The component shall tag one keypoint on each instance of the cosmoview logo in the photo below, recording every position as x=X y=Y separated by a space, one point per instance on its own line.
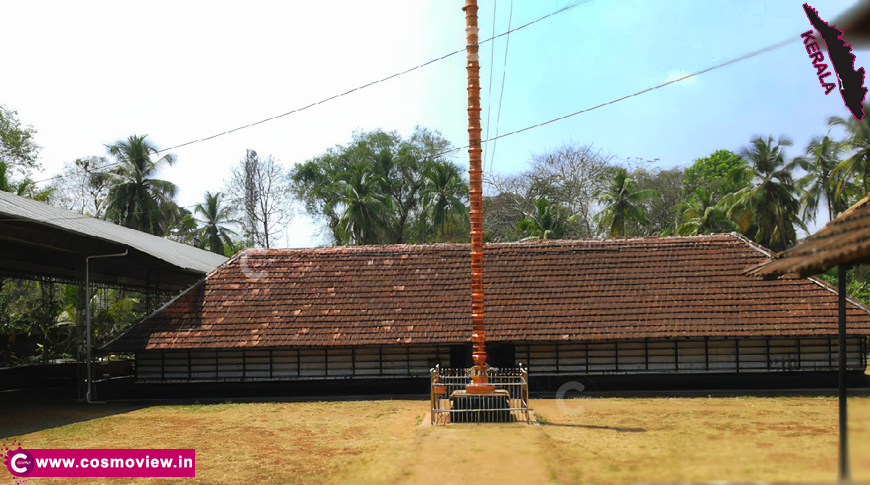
x=19 y=462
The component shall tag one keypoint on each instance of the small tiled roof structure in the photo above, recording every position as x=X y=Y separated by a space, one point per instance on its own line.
x=577 y=290
x=845 y=240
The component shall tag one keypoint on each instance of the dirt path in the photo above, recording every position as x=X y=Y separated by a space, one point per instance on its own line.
x=460 y=453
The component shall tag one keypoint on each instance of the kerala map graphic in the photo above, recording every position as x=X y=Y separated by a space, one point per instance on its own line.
x=851 y=81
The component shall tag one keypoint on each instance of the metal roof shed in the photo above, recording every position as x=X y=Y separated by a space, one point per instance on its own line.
x=42 y=240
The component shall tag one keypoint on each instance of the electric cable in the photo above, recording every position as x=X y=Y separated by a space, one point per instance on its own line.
x=500 y=96
x=717 y=66
x=576 y=4
x=581 y=2
x=491 y=64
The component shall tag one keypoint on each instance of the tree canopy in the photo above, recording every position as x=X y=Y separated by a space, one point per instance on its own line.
x=18 y=149
x=769 y=203
x=722 y=172
x=381 y=188
x=621 y=198
x=136 y=199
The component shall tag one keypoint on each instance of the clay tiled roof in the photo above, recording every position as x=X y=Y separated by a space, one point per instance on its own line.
x=540 y=291
x=844 y=240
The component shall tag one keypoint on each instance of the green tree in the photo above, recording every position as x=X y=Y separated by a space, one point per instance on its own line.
x=136 y=199
x=216 y=217
x=721 y=173
x=398 y=165
x=5 y=185
x=770 y=202
x=18 y=150
x=361 y=220
x=622 y=203
x=663 y=210
x=402 y=166
x=819 y=183
x=24 y=187
x=444 y=196
x=113 y=312
x=315 y=184
x=700 y=216
x=182 y=226
x=544 y=223
x=857 y=166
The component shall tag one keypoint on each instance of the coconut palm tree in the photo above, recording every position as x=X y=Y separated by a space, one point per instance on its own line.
x=857 y=166
x=182 y=226
x=771 y=199
x=362 y=204
x=444 y=195
x=701 y=216
x=215 y=218
x=621 y=196
x=823 y=156
x=545 y=222
x=136 y=199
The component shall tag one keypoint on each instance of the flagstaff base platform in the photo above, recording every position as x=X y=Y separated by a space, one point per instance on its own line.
x=452 y=403
x=491 y=407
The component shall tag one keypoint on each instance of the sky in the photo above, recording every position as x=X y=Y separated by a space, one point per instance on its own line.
x=86 y=74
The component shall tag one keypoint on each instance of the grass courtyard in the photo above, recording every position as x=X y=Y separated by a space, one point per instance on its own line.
x=603 y=441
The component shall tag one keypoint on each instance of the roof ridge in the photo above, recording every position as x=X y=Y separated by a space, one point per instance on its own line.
x=463 y=246
x=824 y=284
x=758 y=247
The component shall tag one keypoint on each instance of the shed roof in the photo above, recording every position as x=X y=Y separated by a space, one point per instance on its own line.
x=845 y=240
x=46 y=240
x=540 y=291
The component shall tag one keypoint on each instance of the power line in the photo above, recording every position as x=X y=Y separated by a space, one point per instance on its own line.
x=96 y=172
x=581 y=2
x=100 y=171
x=717 y=66
x=491 y=64
x=500 y=96
x=732 y=61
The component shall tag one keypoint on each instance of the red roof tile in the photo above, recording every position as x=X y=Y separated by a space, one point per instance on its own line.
x=539 y=291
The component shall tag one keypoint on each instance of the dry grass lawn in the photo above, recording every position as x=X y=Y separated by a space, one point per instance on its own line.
x=611 y=441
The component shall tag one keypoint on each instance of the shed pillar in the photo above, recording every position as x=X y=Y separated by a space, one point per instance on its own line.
x=844 y=472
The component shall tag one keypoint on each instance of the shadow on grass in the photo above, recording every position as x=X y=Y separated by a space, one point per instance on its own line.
x=589 y=426
x=27 y=411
